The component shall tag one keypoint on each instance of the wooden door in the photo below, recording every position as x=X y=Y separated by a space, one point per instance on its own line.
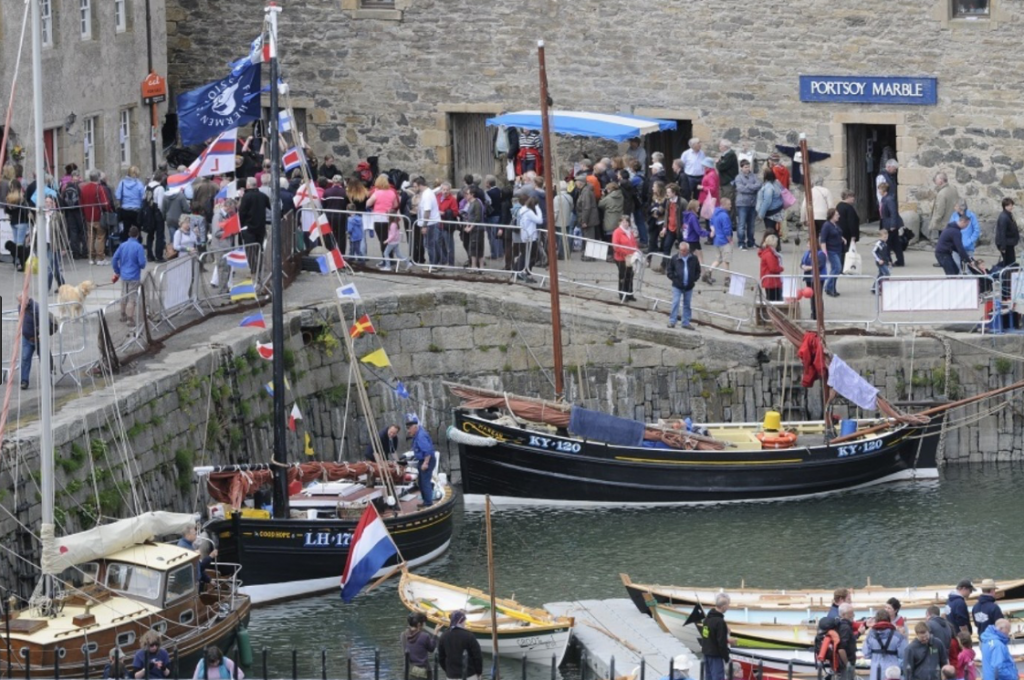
x=472 y=146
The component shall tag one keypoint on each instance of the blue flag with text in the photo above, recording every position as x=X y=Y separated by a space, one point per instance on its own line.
x=211 y=109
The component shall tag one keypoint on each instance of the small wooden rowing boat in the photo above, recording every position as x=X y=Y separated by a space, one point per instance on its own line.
x=520 y=630
x=869 y=596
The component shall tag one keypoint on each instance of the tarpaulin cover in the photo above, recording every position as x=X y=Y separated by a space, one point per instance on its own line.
x=602 y=427
x=619 y=127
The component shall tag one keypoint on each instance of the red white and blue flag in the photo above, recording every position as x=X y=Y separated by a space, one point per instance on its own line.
x=254 y=321
x=236 y=258
x=265 y=350
x=292 y=159
x=370 y=549
x=216 y=159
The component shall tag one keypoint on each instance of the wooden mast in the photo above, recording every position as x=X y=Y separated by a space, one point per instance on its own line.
x=549 y=207
x=819 y=304
x=490 y=586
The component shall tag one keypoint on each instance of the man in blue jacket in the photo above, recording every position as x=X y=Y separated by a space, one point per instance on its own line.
x=423 y=449
x=996 y=661
x=986 y=611
x=721 y=232
x=684 y=270
x=956 y=607
x=128 y=263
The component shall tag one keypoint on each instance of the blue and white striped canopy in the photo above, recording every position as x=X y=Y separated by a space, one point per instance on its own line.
x=618 y=127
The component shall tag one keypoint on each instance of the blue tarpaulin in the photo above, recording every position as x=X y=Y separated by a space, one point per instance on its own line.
x=619 y=127
x=601 y=427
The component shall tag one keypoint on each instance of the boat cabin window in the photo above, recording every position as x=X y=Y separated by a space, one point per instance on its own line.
x=80 y=575
x=181 y=582
x=134 y=580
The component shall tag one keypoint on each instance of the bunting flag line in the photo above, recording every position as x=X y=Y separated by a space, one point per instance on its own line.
x=306 y=193
x=400 y=390
x=216 y=159
x=309 y=445
x=243 y=291
x=231 y=226
x=334 y=260
x=348 y=292
x=284 y=121
x=294 y=417
x=254 y=321
x=269 y=387
x=260 y=50
x=378 y=358
x=361 y=326
x=292 y=159
x=236 y=258
x=265 y=350
x=321 y=227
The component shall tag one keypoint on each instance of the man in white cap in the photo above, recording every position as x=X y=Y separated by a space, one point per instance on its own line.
x=423 y=450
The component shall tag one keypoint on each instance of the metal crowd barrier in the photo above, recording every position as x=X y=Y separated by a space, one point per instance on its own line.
x=74 y=345
x=657 y=288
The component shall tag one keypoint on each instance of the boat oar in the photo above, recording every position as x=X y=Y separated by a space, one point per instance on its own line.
x=602 y=629
x=511 y=613
x=394 y=570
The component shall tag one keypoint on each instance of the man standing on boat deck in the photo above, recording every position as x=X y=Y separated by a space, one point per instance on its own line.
x=388 y=443
x=956 y=607
x=715 y=640
x=986 y=611
x=423 y=449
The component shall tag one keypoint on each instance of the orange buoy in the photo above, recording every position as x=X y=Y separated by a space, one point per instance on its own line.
x=776 y=440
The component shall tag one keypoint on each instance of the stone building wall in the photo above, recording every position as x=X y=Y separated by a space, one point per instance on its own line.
x=95 y=78
x=385 y=83
x=208 y=405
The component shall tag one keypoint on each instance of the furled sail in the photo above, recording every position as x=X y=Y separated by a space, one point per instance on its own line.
x=66 y=551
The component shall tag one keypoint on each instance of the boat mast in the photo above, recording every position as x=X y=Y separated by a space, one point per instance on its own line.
x=280 y=456
x=819 y=304
x=43 y=288
x=549 y=206
x=490 y=585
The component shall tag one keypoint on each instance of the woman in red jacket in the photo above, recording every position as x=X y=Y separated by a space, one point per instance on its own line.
x=771 y=266
x=624 y=246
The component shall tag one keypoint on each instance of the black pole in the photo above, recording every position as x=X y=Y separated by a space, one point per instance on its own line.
x=583 y=665
x=611 y=669
x=174 y=665
x=760 y=669
x=277 y=289
x=643 y=669
x=266 y=675
x=524 y=667
x=349 y=665
x=149 y=69
x=295 y=664
x=56 y=665
x=28 y=664
x=789 y=670
x=323 y=663
x=85 y=649
x=405 y=675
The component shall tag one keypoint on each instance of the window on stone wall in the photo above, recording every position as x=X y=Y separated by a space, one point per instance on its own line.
x=85 y=18
x=125 y=136
x=122 y=20
x=46 y=16
x=970 y=9
x=376 y=4
x=89 y=143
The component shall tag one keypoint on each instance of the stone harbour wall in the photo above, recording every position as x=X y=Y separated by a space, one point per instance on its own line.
x=392 y=83
x=133 y=445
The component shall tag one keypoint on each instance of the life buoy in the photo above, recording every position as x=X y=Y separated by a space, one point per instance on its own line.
x=776 y=440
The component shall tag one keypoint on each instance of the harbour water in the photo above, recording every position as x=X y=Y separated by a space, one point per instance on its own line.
x=964 y=525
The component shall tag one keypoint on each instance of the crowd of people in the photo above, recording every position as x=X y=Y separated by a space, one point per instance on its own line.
x=940 y=647
x=645 y=214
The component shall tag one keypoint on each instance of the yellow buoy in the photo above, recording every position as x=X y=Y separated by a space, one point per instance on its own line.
x=772 y=421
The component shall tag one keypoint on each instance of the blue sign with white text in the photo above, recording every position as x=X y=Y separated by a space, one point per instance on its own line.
x=869 y=90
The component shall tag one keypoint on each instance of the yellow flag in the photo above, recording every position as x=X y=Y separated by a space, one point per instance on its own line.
x=378 y=358
x=309 y=445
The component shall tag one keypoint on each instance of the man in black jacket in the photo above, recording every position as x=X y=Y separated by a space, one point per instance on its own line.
x=453 y=643
x=252 y=216
x=950 y=241
x=683 y=270
x=1007 y=234
x=714 y=636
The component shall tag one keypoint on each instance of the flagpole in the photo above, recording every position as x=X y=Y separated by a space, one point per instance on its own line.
x=280 y=457
x=491 y=585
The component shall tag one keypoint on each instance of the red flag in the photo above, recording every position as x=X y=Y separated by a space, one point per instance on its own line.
x=265 y=350
x=293 y=417
x=362 y=325
x=231 y=226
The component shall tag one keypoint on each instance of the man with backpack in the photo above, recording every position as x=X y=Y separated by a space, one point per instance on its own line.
x=836 y=644
x=71 y=204
x=883 y=646
x=924 y=657
x=151 y=218
x=715 y=640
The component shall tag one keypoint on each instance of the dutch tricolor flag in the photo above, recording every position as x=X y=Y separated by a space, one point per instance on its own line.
x=370 y=549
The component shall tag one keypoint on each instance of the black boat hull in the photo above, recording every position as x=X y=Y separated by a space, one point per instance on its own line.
x=547 y=469
x=288 y=558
